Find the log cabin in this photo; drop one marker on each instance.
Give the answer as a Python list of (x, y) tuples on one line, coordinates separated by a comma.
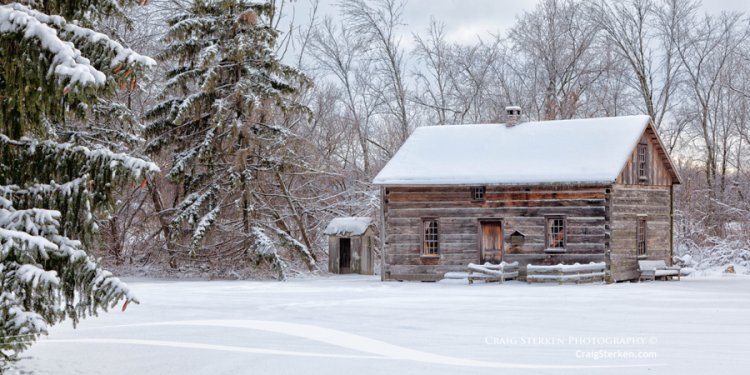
[(548, 192)]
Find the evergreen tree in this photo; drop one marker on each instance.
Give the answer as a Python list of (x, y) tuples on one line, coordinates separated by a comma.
[(218, 120), (55, 69)]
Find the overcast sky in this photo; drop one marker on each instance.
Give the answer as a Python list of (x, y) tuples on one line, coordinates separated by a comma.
[(465, 19)]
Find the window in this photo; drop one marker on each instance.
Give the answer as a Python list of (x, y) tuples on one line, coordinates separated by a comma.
[(642, 161), (430, 243), (556, 233), (477, 193), (640, 234)]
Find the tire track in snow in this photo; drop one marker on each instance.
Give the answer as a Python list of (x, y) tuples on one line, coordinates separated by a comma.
[(375, 348), (194, 345)]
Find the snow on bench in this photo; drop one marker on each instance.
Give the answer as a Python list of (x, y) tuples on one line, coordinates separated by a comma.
[(566, 272), (651, 269), (492, 272), (456, 275), (487, 272)]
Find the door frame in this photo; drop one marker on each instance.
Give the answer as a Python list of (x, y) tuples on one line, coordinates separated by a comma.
[(348, 269), (480, 235)]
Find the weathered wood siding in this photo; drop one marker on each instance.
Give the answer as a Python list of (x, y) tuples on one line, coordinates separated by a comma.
[(366, 253), (521, 209), (658, 169), (629, 203), (356, 255), (634, 198), (362, 253), (333, 254)]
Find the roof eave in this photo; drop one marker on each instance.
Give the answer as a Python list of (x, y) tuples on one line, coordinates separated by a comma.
[(449, 184)]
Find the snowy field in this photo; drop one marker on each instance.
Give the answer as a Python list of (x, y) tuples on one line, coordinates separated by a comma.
[(359, 325)]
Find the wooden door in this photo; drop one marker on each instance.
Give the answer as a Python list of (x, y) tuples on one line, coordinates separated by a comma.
[(492, 242), (345, 255)]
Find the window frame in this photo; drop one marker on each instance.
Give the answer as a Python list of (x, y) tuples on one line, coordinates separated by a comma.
[(642, 161), (641, 241), (478, 193), (436, 240), (548, 232)]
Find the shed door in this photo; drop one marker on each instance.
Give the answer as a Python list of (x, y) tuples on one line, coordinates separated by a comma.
[(345, 255), (492, 242)]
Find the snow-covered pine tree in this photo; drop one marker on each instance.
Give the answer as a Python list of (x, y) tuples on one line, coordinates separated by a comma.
[(218, 120), (54, 68), (112, 120)]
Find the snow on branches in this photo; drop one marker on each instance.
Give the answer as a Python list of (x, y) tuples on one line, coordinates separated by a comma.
[(67, 62), (36, 251), (266, 249), (41, 267), (51, 192), (219, 122), (34, 261)]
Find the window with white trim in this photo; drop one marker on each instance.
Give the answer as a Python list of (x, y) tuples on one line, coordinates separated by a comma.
[(642, 161), (640, 234), (477, 193), (556, 232), (430, 243)]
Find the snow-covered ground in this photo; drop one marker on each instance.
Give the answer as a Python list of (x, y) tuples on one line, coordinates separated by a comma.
[(353, 324)]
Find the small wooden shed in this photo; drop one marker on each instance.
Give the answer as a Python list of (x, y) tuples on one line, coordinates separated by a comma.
[(351, 245)]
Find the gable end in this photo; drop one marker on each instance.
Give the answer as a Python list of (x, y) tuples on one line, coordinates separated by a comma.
[(659, 169)]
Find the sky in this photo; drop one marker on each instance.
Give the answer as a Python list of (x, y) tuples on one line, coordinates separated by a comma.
[(467, 19)]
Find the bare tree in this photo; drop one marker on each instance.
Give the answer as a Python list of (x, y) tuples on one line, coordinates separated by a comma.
[(556, 40), (643, 33), (706, 47), (434, 75), (338, 51), (377, 21)]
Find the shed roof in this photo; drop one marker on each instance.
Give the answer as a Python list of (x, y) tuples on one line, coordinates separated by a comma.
[(348, 226), (564, 151)]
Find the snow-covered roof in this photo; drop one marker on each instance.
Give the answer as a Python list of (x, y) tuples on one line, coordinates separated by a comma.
[(348, 226), (566, 151)]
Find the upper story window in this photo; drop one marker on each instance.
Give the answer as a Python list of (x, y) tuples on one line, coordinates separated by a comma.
[(477, 193), (640, 234), (430, 244), (556, 233), (642, 165)]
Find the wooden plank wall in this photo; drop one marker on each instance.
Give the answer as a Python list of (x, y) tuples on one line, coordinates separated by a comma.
[(658, 169), (362, 258), (628, 204), (333, 254), (521, 209), (356, 259), (633, 196), (367, 266)]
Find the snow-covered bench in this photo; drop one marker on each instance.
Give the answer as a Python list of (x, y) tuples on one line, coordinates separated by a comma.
[(652, 269), (566, 272), (487, 272), (492, 272)]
